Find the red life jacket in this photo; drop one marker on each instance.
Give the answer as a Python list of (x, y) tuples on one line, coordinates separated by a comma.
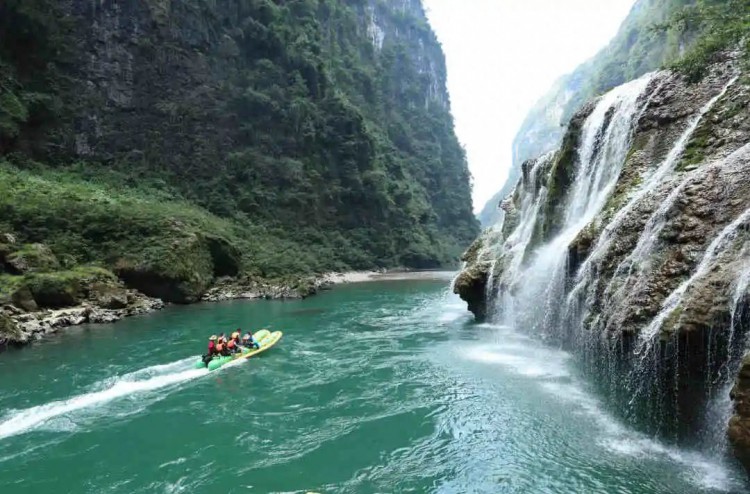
[(211, 347)]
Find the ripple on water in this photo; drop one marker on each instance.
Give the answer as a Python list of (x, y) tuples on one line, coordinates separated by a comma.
[(384, 394)]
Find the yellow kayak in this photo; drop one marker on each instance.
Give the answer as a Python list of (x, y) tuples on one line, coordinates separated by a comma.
[(265, 340)]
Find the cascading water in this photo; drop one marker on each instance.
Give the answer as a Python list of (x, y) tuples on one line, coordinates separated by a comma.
[(511, 253), (724, 240), (720, 409), (535, 289), (586, 273), (605, 141)]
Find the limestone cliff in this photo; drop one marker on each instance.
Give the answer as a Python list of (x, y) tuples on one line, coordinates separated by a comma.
[(630, 246), (177, 142)]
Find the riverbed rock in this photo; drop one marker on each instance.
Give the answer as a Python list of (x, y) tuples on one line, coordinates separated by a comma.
[(18, 327), (10, 332), (248, 288)]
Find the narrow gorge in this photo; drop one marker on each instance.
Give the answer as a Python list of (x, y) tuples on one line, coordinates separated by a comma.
[(180, 151), (629, 246)]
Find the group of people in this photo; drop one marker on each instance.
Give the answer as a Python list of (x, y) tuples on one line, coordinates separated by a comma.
[(236, 343)]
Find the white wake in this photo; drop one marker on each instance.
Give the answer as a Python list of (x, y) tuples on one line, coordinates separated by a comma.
[(142, 381)]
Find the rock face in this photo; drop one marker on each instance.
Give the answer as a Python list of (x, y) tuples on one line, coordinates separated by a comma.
[(634, 239), (471, 283), (181, 275), (333, 115), (739, 425)]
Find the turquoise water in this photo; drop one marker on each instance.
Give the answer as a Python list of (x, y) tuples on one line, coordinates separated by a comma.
[(375, 387)]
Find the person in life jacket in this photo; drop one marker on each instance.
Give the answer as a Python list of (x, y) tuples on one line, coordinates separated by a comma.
[(249, 342), (221, 349), (211, 350), (233, 348), (212, 345), (236, 338)]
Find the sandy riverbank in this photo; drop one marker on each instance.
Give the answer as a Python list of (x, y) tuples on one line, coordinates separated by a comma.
[(365, 276)]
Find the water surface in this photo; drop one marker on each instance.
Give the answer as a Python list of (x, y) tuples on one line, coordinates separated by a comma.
[(376, 387)]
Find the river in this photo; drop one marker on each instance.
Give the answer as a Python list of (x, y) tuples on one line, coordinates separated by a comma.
[(385, 387)]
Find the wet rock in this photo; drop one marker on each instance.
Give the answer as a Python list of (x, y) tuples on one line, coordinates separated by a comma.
[(471, 283), (739, 425), (650, 257)]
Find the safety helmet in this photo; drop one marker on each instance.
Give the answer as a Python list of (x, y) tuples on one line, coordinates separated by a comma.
[(212, 338), (230, 344)]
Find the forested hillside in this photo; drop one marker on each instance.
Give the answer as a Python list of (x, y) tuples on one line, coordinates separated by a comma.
[(176, 141), (656, 34)]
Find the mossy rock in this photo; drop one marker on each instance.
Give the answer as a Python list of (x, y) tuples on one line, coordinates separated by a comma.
[(8, 285), (108, 295), (226, 257), (24, 299), (6, 249), (180, 272), (64, 288), (31, 258), (10, 332), (472, 253)]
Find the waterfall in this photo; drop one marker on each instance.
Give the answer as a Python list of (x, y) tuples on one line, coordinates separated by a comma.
[(586, 272), (722, 241), (605, 140), (553, 275), (532, 196), (721, 407), (513, 244)]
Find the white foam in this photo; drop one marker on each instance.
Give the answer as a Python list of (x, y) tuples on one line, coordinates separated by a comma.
[(145, 380), (178, 461), (453, 315), (699, 469), (547, 365), (550, 368)]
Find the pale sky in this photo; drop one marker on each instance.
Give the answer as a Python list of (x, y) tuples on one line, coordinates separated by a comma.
[(503, 55)]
